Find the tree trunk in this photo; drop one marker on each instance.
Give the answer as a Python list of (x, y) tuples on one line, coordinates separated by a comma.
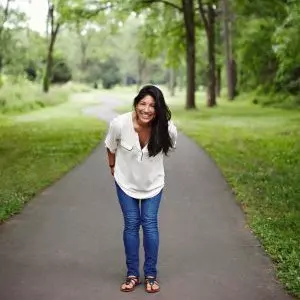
[(47, 76), (209, 26), (172, 82), (211, 49), (84, 41), (234, 77), (180, 78), (218, 81), (141, 69), (189, 21), (228, 52), (49, 65)]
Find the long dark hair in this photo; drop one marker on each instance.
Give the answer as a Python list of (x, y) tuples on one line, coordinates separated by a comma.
[(160, 139)]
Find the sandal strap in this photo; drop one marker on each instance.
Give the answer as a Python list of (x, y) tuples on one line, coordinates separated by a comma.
[(151, 280), (131, 280)]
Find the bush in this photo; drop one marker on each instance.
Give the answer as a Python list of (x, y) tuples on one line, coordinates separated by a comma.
[(61, 72)]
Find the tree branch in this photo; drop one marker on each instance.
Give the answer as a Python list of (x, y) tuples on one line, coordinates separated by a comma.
[(164, 2), (89, 13), (202, 14)]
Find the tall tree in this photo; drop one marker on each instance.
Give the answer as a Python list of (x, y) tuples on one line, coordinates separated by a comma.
[(208, 17), (189, 21), (63, 12), (54, 23), (185, 10), (229, 60)]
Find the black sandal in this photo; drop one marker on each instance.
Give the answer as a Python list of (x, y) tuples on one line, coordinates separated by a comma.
[(134, 281), (151, 281)]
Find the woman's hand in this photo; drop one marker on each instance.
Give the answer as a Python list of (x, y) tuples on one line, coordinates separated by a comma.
[(112, 170)]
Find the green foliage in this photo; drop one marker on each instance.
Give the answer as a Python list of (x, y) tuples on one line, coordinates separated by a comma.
[(287, 42), (256, 57), (266, 46), (110, 75), (163, 32), (61, 72)]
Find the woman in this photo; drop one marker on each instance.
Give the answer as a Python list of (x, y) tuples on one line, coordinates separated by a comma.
[(136, 143)]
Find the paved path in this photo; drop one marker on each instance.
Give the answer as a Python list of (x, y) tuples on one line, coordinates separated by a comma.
[(67, 243)]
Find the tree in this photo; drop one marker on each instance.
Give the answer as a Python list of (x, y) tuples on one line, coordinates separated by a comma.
[(55, 24), (11, 20), (169, 11), (67, 12), (208, 16), (229, 60), (189, 21)]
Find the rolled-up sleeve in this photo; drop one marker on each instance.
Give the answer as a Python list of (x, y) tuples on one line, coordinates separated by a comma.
[(173, 133), (113, 135)]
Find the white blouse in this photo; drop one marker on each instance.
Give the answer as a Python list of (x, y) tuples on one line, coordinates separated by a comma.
[(139, 175)]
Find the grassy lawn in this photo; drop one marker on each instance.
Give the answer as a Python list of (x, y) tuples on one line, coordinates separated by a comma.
[(258, 151), (38, 148), (26, 96)]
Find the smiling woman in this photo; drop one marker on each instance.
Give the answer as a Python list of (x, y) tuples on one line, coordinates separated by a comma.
[(136, 144)]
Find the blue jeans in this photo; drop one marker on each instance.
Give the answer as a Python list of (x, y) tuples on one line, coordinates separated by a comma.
[(135, 216)]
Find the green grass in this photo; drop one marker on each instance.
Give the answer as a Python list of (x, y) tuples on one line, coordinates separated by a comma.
[(27, 96), (258, 151), (38, 148)]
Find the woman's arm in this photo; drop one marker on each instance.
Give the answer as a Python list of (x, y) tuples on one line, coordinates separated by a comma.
[(111, 161), (173, 133), (111, 142)]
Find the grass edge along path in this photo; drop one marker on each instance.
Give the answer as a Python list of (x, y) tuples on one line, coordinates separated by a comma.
[(39, 150), (258, 152)]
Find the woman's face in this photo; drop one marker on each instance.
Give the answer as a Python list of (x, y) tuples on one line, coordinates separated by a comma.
[(145, 110)]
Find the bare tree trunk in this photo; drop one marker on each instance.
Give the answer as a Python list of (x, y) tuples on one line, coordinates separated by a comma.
[(218, 81), (234, 77), (141, 69), (180, 78), (189, 21), (172, 82), (49, 64), (209, 26), (211, 97), (228, 52), (84, 41)]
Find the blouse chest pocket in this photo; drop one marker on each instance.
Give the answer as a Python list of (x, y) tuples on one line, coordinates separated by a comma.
[(126, 146)]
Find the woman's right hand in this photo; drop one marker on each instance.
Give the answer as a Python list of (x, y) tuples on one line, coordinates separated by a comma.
[(112, 171)]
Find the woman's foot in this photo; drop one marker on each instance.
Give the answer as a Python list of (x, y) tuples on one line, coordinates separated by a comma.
[(151, 285), (130, 284)]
